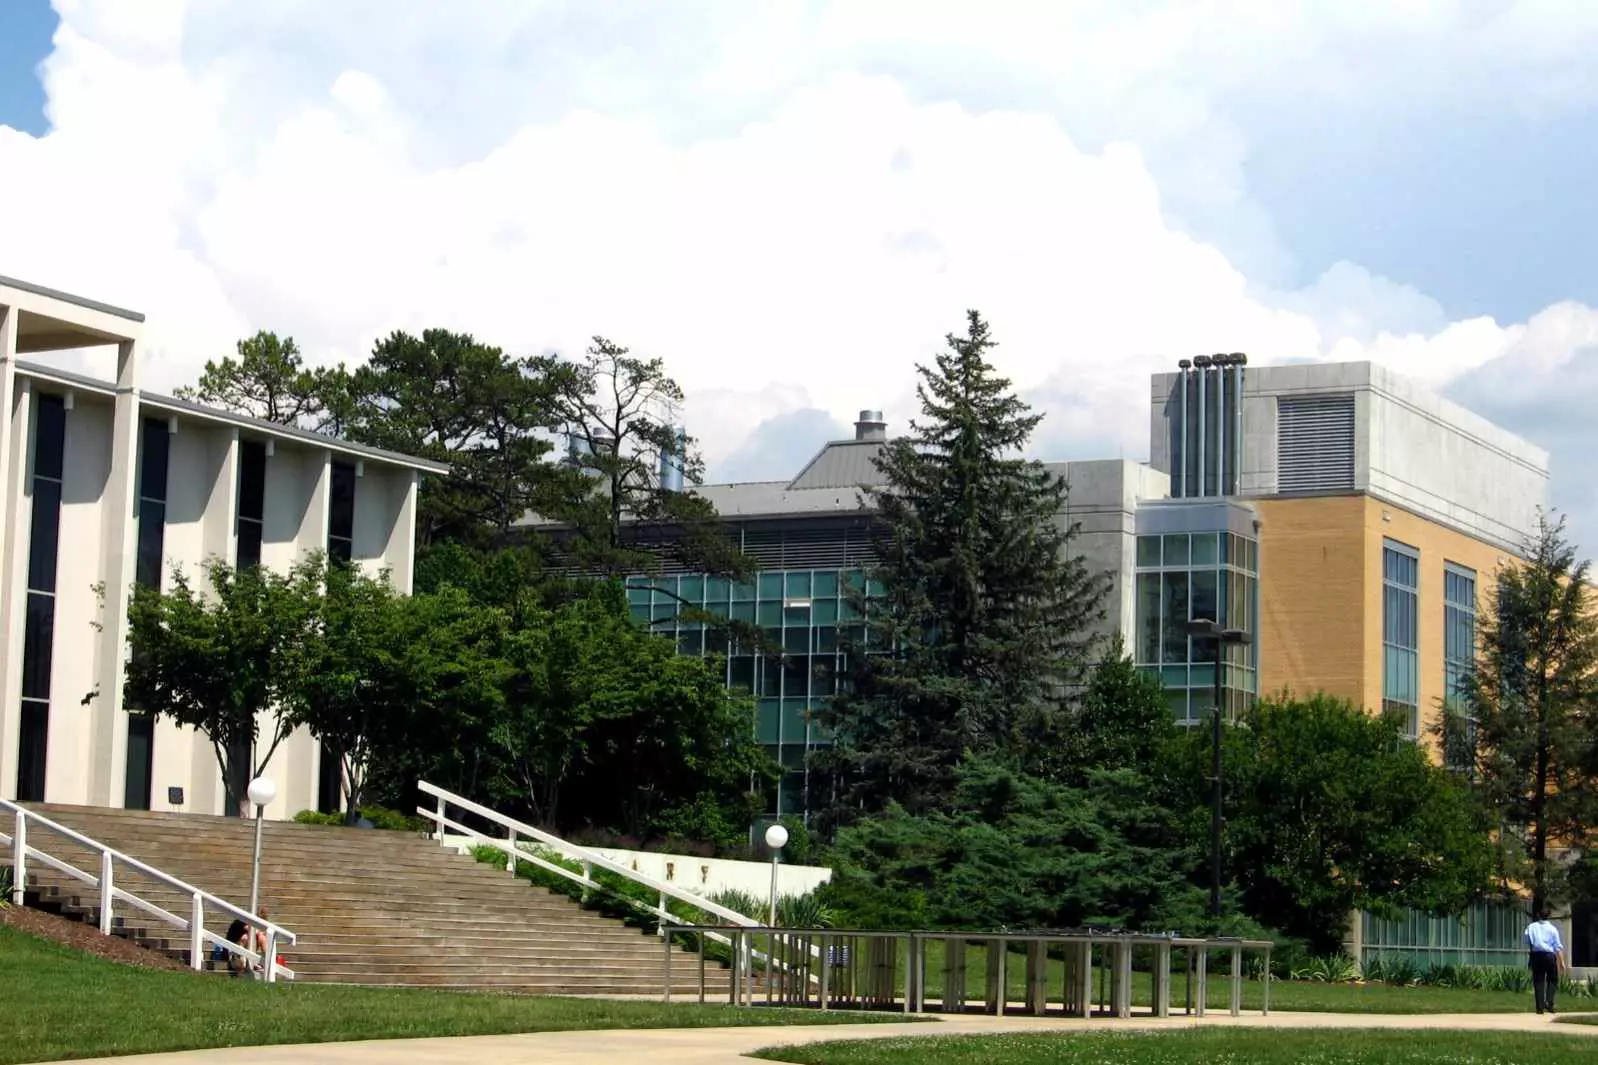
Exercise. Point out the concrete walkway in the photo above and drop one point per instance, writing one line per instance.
(728, 1046)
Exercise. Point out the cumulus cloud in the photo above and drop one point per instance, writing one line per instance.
(791, 203)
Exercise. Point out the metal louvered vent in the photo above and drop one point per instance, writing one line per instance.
(1315, 443)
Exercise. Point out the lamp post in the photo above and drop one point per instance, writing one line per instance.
(261, 792)
(776, 839)
(1206, 629)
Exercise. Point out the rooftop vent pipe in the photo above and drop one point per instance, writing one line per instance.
(870, 426)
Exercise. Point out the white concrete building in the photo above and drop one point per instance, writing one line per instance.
(103, 485)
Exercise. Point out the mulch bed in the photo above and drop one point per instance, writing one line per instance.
(87, 938)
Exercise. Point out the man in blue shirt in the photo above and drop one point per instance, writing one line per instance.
(1547, 959)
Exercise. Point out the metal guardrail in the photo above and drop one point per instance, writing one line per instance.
(23, 851)
(839, 968)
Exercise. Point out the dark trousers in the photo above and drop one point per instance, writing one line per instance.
(1544, 978)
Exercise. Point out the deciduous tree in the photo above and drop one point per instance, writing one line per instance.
(219, 657)
(1528, 723)
(1331, 810)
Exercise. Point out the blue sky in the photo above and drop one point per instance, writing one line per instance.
(791, 202)
(25, 30)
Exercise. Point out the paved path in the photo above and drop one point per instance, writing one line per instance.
(728, 1046)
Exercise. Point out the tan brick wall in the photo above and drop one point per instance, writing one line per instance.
(1313, 610)
(1321, 595)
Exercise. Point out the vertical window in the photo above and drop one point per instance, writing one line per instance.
(252, 503)
(340, 549)
(1459, 656)
(341, 513)
(38, 640)
(1400, 633)
(155, 446)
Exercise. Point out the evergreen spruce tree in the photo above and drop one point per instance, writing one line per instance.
(1529, 719)
(986, 620)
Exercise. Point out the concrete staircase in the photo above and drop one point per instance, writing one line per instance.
(368, 907)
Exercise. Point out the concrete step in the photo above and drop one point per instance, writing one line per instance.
(385, 909)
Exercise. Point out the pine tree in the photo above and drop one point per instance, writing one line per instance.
(1527, 722)
(986, 620)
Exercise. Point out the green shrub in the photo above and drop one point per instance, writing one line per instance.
(7, 882)
(381, 818)
(1328, 969)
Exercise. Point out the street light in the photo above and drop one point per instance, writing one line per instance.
(261, 792)
(776, 839)
(1204, 628)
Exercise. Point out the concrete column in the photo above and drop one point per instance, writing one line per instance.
(222, 508)
(8, 377)
(109, 733)
(401, 551)
(313, 529)
(1354, 945)
(18, 522)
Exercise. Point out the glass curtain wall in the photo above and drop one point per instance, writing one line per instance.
(1401, 633)
(806, 612)
(1186, 576)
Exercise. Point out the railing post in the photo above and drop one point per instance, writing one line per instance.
(826, 968)
(701, 968)
(1237, 981)
(19, 858)
(197, 934)
(1267, 1009)
(588, 875)
(665, 965)
(510, 853)
(106, 892)
(1001, 994)
(664, 915)
(1162, 980)
(737, 966)
(1202, 993)
(269, 961)
(440, 822)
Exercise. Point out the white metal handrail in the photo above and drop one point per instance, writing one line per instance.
(589, 859)
(22, 851)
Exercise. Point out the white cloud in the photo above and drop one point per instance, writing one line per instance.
(791, 202)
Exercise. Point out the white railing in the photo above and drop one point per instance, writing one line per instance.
(24, 851)
(517, 833)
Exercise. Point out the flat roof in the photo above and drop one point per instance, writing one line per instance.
(227, 417)
(67, 297)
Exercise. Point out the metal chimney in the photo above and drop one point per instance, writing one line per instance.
(1179, 453)
(671, 462)
(870, 426)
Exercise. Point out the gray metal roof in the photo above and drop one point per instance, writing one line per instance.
(243, 421)
(771, 499)
(67, 297)
(842, 464)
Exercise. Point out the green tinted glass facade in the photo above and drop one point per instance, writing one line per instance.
(1186, 576)
(807, 613)
(1488, 933)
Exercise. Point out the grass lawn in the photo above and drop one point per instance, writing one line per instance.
(1232, 1046)
(1295, 996)
(56, 1003)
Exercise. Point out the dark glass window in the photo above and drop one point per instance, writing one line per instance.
(330, 782)
(46, 531)
(38, 639)
(252, 503)
(49, 460)
(141, 761)
(35, 744)
(152, 542)
(341, 513)
(154, 452)
(50, 436)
